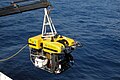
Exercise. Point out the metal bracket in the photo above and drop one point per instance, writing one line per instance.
(48, 24)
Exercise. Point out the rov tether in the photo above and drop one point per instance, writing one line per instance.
(48, 51)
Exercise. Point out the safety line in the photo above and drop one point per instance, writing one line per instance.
(1, 60)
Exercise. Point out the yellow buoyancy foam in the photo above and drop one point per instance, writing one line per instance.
(34, 42)
(53, 47)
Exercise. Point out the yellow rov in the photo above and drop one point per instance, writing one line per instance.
(50, 51)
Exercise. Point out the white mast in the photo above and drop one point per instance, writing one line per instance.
(47, 23)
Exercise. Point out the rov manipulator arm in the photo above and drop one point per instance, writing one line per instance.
(14, 8)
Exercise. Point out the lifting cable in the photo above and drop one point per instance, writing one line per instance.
(2, 60)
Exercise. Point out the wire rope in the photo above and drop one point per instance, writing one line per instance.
(5, 59)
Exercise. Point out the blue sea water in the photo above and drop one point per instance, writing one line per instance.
(94, 23)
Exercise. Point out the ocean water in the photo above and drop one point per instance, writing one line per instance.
(94, 23)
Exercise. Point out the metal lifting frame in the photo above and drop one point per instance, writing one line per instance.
(48, 23)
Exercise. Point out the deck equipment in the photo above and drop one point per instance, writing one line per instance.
(4, 77)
